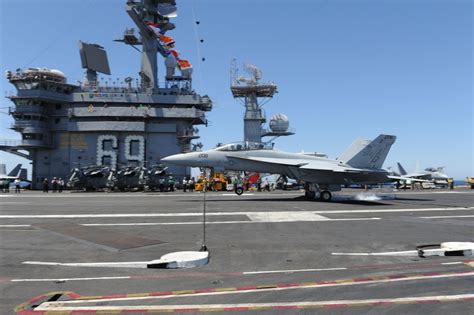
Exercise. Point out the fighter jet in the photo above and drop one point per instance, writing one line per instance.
(15, 173)
(435, 175)
(360, 164)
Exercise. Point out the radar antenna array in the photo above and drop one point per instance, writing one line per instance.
(253, 95)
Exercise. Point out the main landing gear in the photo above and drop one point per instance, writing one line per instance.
(325, 195)
(312, 189)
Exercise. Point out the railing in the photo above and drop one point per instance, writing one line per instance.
(29, 123)
(10, 142)
(24, 109)
(177, 83)
(35, 143)
(45, 94)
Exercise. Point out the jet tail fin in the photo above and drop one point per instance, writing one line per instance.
(355, 147)
(368, 154)
(401, 169)
(23, 173)
(15, 171)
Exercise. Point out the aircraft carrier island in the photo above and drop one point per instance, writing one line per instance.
(96, 122)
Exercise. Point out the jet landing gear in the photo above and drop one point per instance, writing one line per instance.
(325, 195)
(310, 195)
(312, 189)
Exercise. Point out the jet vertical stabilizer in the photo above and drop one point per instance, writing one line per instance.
(355, 147)
(15, 171)
(401, 170)
(370, 155)
(23, 174)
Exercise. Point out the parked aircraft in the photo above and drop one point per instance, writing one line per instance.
(360, 164)
(90, 178)
(15, 173)
(434, 174)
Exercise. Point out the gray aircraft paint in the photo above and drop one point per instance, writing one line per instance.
(362, 168)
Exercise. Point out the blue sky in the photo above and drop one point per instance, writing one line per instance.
(345, 68)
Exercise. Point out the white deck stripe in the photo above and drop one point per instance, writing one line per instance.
(190, 214)
(316, 285)
(290, 271)
(453, 263)
(126, 264)
(448, 216)
(70, 279)
(396, 210)
(397, 253)
(132, 277)
(57, 305)
(200, 222)
(206, 307)
(142, 195)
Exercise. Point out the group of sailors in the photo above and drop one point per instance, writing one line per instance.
(189, 184)
(57, 185)
(260, 185)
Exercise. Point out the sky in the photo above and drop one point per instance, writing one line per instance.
(344, 68)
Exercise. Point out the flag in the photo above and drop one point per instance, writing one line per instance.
(184, 64)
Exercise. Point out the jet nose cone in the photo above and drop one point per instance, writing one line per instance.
(180, 159)
(170, 158)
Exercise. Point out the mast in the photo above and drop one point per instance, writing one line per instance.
(144, 13)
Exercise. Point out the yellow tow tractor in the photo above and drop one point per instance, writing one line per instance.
(217, 181)
(470, 181)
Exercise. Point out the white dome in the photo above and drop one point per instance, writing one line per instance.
(279, 123)
(60, 73)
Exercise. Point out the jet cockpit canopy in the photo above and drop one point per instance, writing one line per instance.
(244, 146)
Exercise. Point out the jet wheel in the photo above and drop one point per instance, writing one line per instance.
(239, 191)
(325, 195)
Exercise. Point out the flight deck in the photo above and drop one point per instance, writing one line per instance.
(270, 252)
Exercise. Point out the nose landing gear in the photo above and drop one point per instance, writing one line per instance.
(311, 190)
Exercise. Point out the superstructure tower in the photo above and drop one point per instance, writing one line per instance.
(102, 121)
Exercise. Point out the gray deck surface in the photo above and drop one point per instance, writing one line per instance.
(257, 239)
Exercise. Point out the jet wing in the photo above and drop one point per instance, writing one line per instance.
(286, 162)
(326, 166)
(408, 179)
(302, 164)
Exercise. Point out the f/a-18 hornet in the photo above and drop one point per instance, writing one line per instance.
(361, 164)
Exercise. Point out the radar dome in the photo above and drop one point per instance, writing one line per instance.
(279, 123)
(60, 73)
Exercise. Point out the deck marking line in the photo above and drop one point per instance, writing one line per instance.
(237, 273)
(260, 306)
(209, 222)
(396, 253)
(453, 263)
(71, 279)
(291, 271)
(448, 216)
(265, 288)
(138, 215)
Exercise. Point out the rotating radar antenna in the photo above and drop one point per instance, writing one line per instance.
(253, 94)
